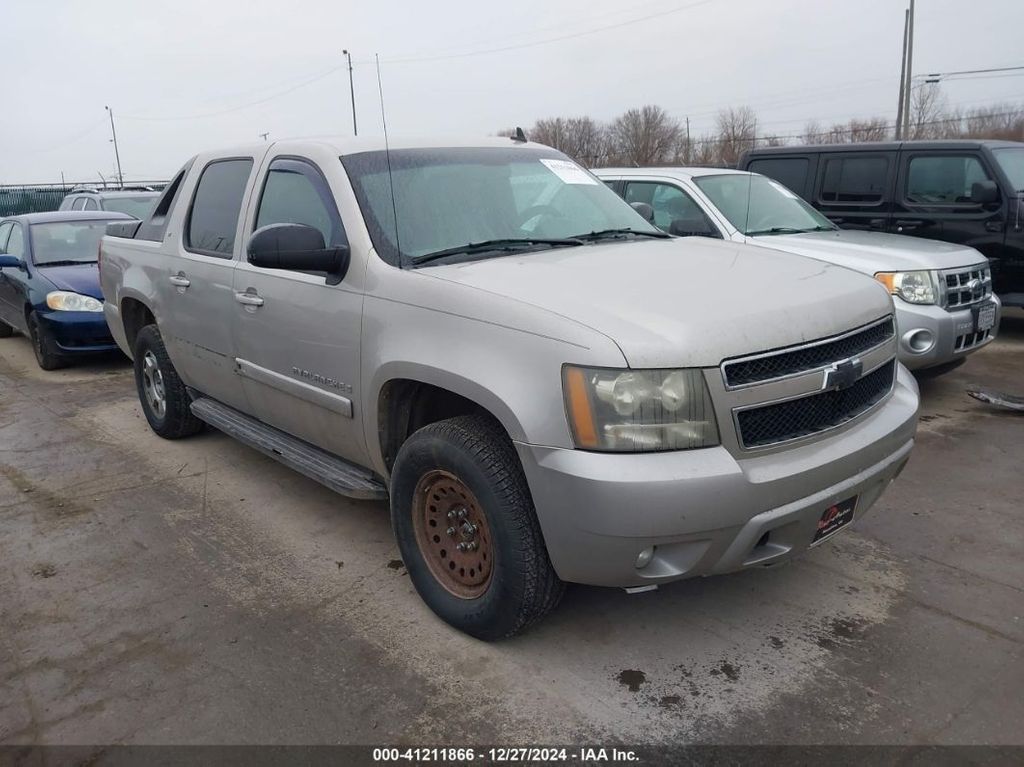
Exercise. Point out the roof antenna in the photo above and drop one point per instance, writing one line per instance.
(387, 154)
(519, 137)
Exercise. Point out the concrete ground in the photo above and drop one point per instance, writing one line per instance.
(197, 592)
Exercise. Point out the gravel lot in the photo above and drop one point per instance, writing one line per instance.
(197, 592)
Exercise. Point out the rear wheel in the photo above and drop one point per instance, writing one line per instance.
(164, 398)
(6, 331)
(43, 345)
(467, 529)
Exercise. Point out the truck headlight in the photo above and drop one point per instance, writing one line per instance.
(65, 301)
(912, 287)
(638, 410)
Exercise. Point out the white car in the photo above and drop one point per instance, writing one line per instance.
(945, 307)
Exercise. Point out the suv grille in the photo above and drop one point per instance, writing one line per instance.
(801, 417)
(805, 358)
(967, 286)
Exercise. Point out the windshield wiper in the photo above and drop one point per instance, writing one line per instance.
(506, 244)
(63, 263)
(610, 233)
(786, 230)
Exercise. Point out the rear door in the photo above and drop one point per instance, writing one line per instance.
(933, 199)
(854, 189)
(298, 336)
(794, 172)
(196, 297)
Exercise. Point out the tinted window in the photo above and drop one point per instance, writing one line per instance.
(136, 207)
(154, 228)
(61, 241)
(16, 243)
(791, 172)
(213, 219)
(672, 206)
(296, 193)
(855, 179)
(1012, 163)
(943, 179)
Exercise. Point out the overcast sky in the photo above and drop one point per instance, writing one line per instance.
(182, 76)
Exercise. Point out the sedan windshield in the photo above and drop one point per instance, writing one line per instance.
(484, 202)
(1012, 163)
(67, 242)
(757, 205)
(137, 207)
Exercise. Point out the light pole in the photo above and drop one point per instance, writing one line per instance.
(117, 154)
(352, 93)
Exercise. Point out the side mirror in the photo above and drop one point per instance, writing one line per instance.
(9, 261)
(644, 210)
(683, 228)
(983, 192)
(297, 247)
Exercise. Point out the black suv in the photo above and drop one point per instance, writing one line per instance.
(969, 192)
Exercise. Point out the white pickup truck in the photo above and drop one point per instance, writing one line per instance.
(547, 387)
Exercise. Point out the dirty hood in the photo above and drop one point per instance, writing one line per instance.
(80, 278)
(683, 302)
(871, 252)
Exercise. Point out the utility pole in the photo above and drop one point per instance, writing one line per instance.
(117, 154)
(688, 148)
(903, 75)
(352, 93)
(910, 72)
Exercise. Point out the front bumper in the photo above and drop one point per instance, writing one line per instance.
(706, 511)
(78, 332)
(952, 333)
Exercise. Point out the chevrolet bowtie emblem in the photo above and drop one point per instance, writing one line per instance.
(843, 375)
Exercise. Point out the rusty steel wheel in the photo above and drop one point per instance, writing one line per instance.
(452, 533)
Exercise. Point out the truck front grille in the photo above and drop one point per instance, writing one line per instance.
(970, 340)
(804, 416)
(967, 286)
(818, 354)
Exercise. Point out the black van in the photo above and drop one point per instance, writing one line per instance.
(969, 192)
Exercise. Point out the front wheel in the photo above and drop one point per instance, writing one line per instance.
(467, 530)
(43, 345)
(164, 398)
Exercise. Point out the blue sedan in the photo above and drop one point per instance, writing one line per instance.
(50, 283)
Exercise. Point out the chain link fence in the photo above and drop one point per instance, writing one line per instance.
(16, 199)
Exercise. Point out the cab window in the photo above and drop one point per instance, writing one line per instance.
(943, 179)
(213, 217)
(295, 192)
(858, 180)
(675, 211)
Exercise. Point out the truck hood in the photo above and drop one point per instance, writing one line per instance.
(871, 252)
(81, 278)
(683, 303)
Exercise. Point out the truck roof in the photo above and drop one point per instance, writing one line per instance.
(672, 171)
(352, 145)
(884, 146)
(67, 215)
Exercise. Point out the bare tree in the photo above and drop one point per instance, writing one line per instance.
(926, 107)
(813, 134)
(737, 131)
(645, 136)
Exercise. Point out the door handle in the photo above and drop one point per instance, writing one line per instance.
(249, 299)
(908, 223)
(877, 223)
(993, 226)
(179, 280)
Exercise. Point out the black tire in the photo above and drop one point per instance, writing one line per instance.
(522, 586)
(6, 331)
(176, 420)
(43, 345)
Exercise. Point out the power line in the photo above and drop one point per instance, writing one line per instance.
(971, 72)
(66, 142)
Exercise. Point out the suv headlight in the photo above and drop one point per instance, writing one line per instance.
(65, 301)
(636, 411)
(912, 287)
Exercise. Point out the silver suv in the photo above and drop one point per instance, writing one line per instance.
(545, 386)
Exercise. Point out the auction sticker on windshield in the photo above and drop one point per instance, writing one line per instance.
(569, 172)
(834, 518)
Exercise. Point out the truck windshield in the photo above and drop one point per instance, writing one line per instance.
(1012, 163)
(137, 207)
(67, 242)
(456, 203)
(757, 205)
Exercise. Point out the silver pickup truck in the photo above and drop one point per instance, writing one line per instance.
(547, 387)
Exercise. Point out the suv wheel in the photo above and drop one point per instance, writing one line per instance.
(165, 401)
(467, 529)
(43, 345)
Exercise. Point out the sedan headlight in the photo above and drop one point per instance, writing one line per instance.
(638, 410)
(65, 301)
(912, 287)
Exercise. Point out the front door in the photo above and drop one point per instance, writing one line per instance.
(12, 279)
(854, 189)
(934, 199)
(197, 299)
(298, 336)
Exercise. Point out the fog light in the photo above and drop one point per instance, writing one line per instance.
(919, 341)
(645, 558)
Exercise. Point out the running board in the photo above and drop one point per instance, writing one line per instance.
(341, 476)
